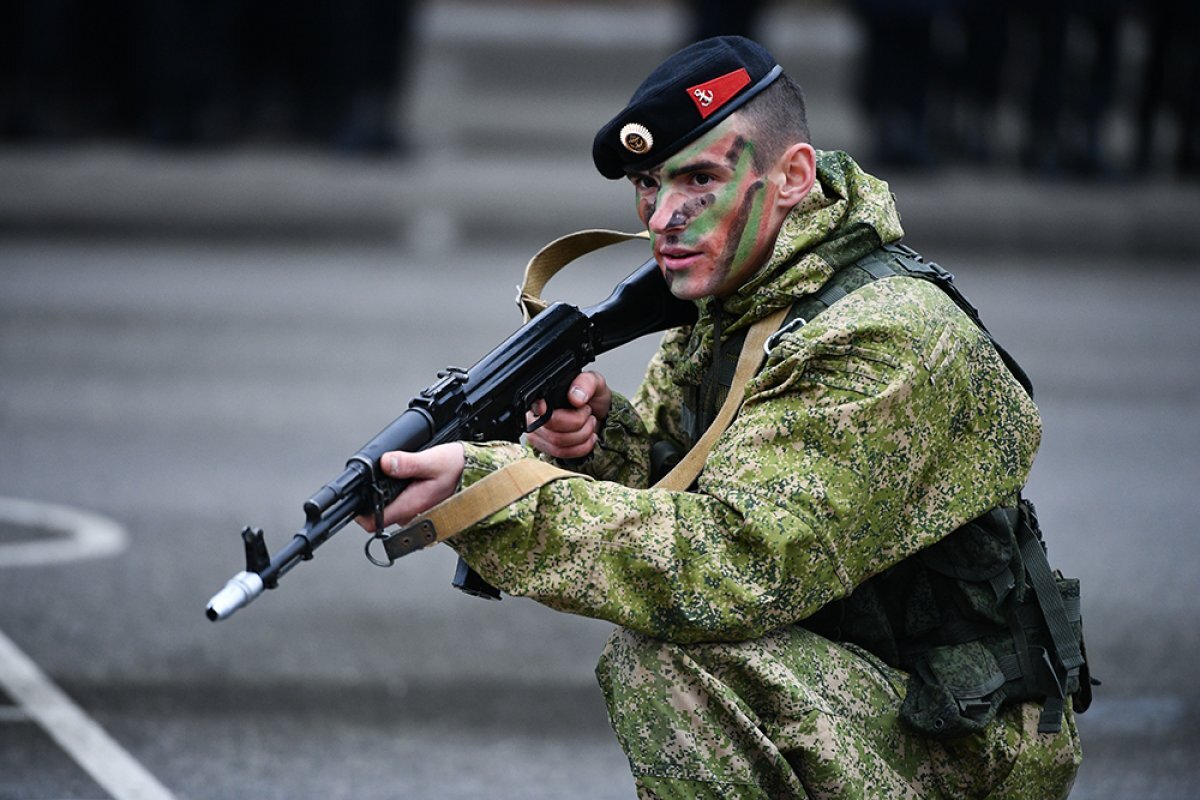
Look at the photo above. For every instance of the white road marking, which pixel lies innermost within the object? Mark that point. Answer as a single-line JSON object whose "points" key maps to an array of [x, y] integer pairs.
{"points": [[76, 733], [73, 535], [77, 535]]}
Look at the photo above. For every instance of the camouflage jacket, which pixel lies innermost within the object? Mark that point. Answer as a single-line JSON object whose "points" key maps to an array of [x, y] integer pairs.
{"points": [[870, 433]]}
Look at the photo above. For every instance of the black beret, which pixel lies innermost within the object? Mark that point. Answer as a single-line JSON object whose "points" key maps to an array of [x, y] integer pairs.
{"points": [[683, 97]]}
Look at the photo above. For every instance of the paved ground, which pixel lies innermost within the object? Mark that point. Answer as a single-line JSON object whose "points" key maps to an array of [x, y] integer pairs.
{"points": [[193, 342]]}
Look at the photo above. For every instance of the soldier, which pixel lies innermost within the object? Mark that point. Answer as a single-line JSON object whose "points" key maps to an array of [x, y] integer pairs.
{"points": [[848, 601]]}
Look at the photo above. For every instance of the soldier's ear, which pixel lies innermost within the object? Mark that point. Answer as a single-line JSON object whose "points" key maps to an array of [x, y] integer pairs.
{"points": [[796, 172]]}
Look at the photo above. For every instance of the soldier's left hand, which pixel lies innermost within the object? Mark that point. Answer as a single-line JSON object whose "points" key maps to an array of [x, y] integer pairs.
{"points": [[433, 476]]}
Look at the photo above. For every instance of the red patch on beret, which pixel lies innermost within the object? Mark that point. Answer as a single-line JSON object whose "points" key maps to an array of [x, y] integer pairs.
{"points": [[711, 95]]}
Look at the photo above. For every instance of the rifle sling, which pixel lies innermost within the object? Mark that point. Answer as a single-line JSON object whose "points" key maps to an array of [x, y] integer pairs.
{"points": [[473, 505], [556, 255], [753, 352]]}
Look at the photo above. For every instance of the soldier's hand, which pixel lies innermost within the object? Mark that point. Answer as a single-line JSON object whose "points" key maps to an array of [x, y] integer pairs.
{"points": [[433, 475], [571, 432]]}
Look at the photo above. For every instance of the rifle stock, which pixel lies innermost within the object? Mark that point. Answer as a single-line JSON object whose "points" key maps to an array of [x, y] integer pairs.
{"points": [[486, 402]]}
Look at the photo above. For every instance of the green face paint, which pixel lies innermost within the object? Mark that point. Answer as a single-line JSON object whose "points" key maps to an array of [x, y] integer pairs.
{"points": [[704, 208]]}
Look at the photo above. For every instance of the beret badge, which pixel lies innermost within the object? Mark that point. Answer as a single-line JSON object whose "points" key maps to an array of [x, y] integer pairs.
{"points": [[636, 138]]}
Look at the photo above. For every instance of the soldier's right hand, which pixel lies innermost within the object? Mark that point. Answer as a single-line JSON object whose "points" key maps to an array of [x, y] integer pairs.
{"points": [[572, 432]]}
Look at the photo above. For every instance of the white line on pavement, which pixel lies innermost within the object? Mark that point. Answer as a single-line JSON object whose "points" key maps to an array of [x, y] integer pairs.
{"points": [[76, 733], [76, 534]]}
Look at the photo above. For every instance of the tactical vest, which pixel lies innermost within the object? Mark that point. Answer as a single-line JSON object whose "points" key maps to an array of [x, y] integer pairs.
{"points": [[978, 619]]}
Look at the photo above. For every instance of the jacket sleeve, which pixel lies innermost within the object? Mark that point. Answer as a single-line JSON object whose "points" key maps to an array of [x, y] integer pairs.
{"points": [[873, 431]]}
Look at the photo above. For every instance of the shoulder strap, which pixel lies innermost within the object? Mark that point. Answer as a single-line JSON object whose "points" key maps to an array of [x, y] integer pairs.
{"points": [[726, 379], [753, 353], [888, 261], [899, 259]]}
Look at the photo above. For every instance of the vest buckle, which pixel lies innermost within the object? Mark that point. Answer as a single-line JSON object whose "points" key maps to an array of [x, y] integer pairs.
{"points": [[773, 339]]}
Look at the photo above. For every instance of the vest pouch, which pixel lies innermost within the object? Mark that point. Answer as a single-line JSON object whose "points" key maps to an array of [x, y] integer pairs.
{"points": [[664, 455], [977, 569], [1079, 686], [953, 690]]}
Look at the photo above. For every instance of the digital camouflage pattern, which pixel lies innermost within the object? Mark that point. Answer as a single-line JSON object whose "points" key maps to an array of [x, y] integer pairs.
{"points": [[795, 715], [870, 433]]}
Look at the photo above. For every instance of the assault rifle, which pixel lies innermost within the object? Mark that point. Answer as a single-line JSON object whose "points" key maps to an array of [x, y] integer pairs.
{"points": [[486, 402]]}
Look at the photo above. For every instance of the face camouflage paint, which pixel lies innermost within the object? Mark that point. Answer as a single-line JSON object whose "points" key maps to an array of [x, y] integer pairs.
{"points": [[688, 211], [704, 208]]}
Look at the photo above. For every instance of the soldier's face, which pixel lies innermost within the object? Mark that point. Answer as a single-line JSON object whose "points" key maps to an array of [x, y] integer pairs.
{"points": [[705, 210]]}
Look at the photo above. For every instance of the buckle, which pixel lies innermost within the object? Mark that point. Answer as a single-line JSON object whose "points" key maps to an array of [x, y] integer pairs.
{"points": [[773, 339]]}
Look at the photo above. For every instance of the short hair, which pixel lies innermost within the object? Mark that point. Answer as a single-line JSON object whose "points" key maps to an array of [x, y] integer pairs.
{"points": [[778, 115]]}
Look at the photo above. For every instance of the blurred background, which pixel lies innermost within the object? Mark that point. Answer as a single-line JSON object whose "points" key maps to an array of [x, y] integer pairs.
{"points": [[236, 237], [1075, 87]]}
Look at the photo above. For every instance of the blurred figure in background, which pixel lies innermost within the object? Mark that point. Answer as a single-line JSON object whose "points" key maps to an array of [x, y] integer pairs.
{"points": [[362, 55], [1040, 28], [978, 78], [1095, 61], [69, 68], [898, 63], [1170, 83], [1073, 48], [185, 72], [720, 18], [937, 75]]}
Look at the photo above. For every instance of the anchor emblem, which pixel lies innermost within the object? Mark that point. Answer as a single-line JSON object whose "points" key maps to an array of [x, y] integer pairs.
{"points": [[636, 138]]}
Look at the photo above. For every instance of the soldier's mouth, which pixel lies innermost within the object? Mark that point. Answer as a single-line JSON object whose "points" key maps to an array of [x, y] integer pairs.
{"points": [[676, 258]]}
